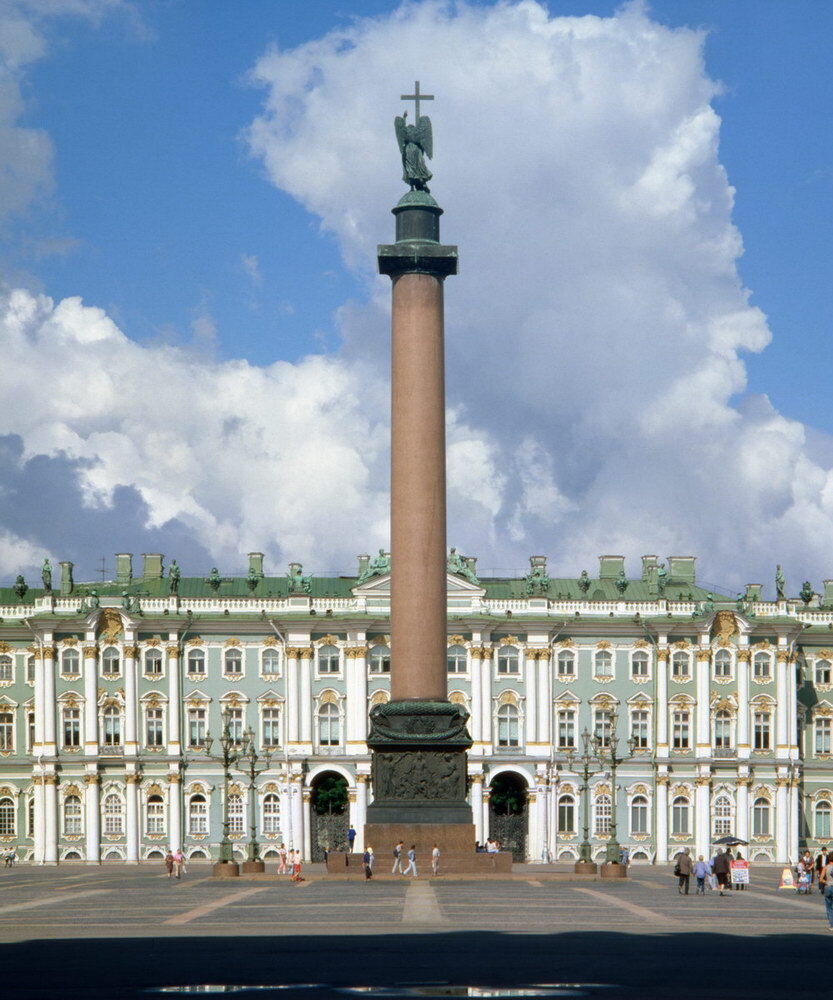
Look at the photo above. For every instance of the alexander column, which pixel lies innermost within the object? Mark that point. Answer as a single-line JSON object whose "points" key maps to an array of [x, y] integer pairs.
{"points": [[419, 739]]}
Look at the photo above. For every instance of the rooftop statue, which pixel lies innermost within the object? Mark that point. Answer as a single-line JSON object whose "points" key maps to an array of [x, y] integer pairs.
{"points": [[584, 582], [174, 575], [415, 142], [46, 576], [460, 566], [379, 566], [779, 583], [662, 576]]}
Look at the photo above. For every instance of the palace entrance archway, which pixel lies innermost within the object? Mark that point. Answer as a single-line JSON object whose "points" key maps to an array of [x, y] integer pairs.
{"points": [[329, 811], [508, 813]]}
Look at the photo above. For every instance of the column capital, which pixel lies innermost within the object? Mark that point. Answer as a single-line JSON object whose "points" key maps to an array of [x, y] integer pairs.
{"points": [[131, 652], [172, 651], [90, 652]]}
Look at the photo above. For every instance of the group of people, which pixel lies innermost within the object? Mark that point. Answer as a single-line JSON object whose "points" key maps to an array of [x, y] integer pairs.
{"points": [[809, 871], [716, 872], [289, 862], [9, 857], [490, 847], [399, 856], [175, 863]]}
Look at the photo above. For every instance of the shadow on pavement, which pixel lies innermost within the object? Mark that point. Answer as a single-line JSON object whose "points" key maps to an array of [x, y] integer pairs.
{"points": [[647, 966]]}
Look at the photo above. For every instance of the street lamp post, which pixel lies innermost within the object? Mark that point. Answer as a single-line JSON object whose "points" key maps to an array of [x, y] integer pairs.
{"points": [[252, 764], [609, 757], [231, 750], [582, 765]]}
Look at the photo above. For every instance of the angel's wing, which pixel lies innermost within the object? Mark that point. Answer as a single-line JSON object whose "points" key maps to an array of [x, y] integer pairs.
{"points": [[401, 132], [425, 135]]}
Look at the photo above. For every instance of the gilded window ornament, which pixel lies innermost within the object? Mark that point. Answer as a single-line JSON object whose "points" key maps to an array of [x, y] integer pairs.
{"points": [[456, 640], [508, 640], [195, 640]]}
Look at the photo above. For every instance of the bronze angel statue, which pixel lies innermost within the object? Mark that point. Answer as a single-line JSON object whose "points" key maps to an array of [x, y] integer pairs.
{"points": [[415, 143]]}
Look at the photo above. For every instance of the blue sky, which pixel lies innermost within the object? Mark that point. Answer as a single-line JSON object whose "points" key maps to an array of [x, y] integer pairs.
{"points": [[159, 211]]}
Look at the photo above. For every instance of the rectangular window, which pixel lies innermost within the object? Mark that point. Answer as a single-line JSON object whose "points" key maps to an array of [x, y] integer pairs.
{"points": [[639, 729], [6, 731], [30, 731], [681, 730], [680, 666], [602, 728], [153, 727], [72, 727], [271, 727], [639, 664], [823, 735], [762, 738], [566, 664], [566, 729], [196, 727], [234, 721]]}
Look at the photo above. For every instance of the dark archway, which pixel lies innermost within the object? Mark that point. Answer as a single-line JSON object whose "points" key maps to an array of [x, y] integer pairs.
{"points": [[508, 814], [329, 813]]}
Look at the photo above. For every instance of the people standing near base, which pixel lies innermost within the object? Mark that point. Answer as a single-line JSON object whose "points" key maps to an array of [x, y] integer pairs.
{"points": [[282, 859], [367, 863], [179, 863], [821, 861], [722, 868], [702, 870], [351, 836], [826, 880], [295, 859], [397, 857], [169, 863], [435, 860], [411, 861], [683, 869]]}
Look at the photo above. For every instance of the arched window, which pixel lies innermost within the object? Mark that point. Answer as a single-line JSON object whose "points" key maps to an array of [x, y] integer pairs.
{"points": [[197, 814], [380, 660], [155, 817], [722, 813], [603, 663], [113, 816], [722, 730], [111, 661], [235, 813], [270, 661], [153, 662], [70, 663], [639, 664], [723, 663], [639, 815], [6, 668], [822, 672], [72, 815], [680, 666], [507, 660], [328, 660], [760, 818], [507, 726], [822, 820], [566, 663], [328, 725], [761, 667], [271, 813], [680, 816], [233, 662], [566, 814], [602, 814], [111, 726], [7, 817], [456, 659], [196, 662]]}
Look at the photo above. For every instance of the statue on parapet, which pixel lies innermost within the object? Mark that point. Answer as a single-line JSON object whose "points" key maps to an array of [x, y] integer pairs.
{"points": [[662, 577], [621, 582], [174, 575], [780, 583], [91, 601], [584, 582], [46, 576], [378, 566], [298, 583], [460, 566], [253, 579], [537, 581], [20, 586]]}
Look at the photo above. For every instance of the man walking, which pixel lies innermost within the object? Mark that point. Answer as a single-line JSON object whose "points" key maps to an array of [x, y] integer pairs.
{"points": [[411, 861], [821, 862], [701, 872], [367, 861], [684, 867], [397, 858], [722, 868], [351, 836], [826, 880], [435, 860]]}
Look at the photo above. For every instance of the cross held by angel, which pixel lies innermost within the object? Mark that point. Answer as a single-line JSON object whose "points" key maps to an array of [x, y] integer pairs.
{"points": [[415, 143]]}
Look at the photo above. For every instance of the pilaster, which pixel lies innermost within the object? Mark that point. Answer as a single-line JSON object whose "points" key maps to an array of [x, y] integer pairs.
{"points": [[174, 697]]}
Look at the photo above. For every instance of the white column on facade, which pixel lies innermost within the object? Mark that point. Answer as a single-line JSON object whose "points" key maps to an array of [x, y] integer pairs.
{"points": [[50, 809], [286, 815], [48, 704], [361, 810], [353, 814], [355, 670], [305, 704], [132, 818], [793, 809], [303, 838], [93, 817], [662, 818], [531, 690], [91, 703], [39, 693], [703, 709], [792, 715], [781, 706], [743, 746], [742, 809], [477, 807], [174, 698], [40, 820], [782, 824], [544, 674], [702, 817], [131, 704], [174, 812], [662, 702], [487, 670], [475, 673], [535, 846], [293, 696]]}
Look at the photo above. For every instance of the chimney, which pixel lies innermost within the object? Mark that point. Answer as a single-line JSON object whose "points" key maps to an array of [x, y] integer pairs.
{"points": [[66, 579], [610, 567], [152, 565], [124, 568], [364, 562], [256, 564], [681, 569], [648, 562]]}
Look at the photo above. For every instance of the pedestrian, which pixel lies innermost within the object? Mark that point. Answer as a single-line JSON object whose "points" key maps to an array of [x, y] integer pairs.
{"points": [[722, 867], [683, 870], [827, 881], [282, 859], [372, 858], [397, 858], [296, 866], [351, 836], [411, 861], [435, 860], [179, 863], [739, 857], [701, 873], [821, 861], [169, 862], [624, 856], [367, 863]]}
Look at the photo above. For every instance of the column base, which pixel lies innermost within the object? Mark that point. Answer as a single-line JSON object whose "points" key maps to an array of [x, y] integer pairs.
{"points": [[612, 869], [252, 867], [585, 867], [226, 869]]}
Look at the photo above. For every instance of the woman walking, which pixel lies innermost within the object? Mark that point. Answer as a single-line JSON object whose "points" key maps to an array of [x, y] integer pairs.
{"points": [[826, 880]]}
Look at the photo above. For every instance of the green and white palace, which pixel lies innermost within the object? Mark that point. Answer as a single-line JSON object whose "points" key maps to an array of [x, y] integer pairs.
{"points": [[722, 709]]}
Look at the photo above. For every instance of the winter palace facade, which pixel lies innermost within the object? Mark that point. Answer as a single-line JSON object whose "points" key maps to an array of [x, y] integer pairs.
{"points": [[723, 708]]}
